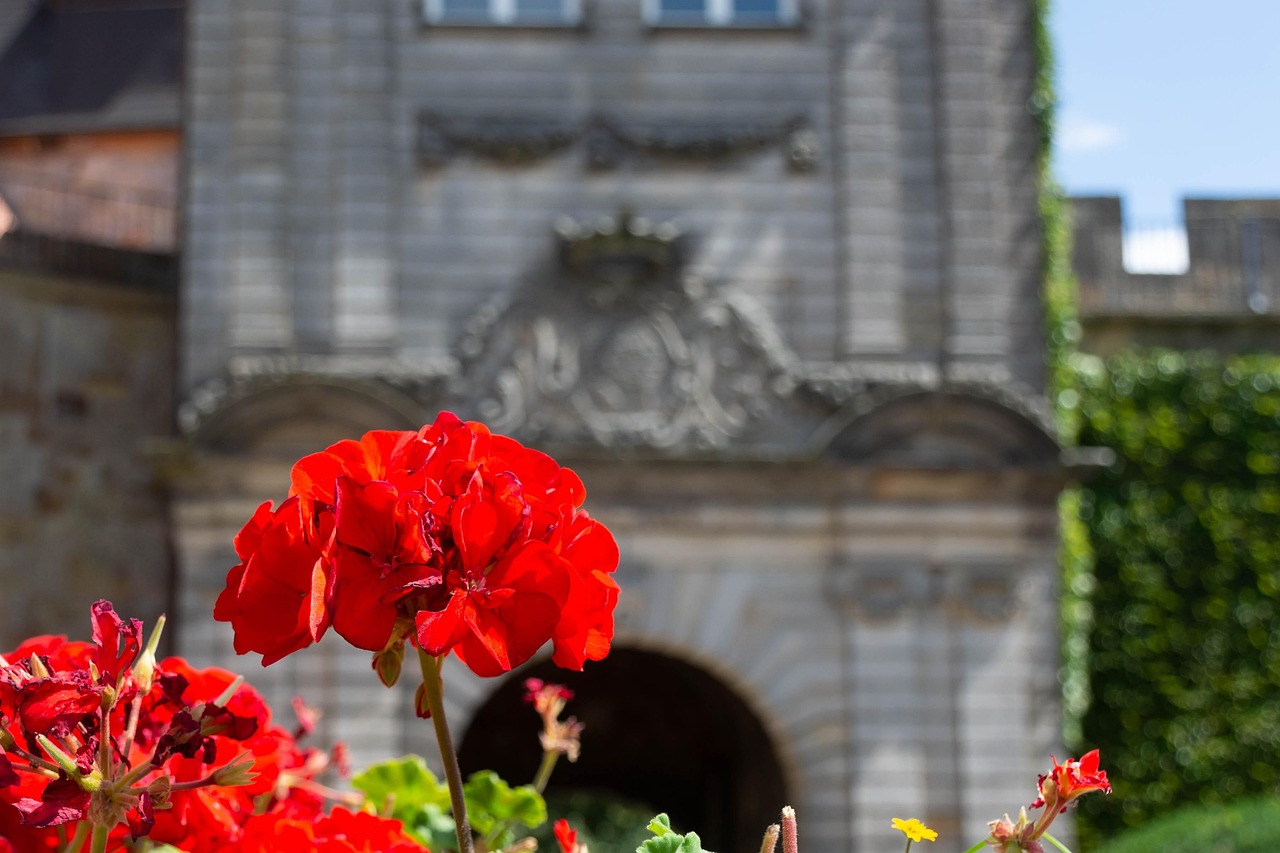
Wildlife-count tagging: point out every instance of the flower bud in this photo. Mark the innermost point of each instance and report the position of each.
(37, 667)
(225, 696)
(160, 789)
(387, 663)
(89, 782)
(238, 772)
(144, 668)
(421, 706)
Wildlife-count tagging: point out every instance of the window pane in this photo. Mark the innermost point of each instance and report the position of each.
(465, 10)
(540, 10)
(694, 10)
(756, 10)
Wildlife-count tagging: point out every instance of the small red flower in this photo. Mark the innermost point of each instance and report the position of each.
(52, 704)
(1070, 780)
(566, 836)
(542, 695)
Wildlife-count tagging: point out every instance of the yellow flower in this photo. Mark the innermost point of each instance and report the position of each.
(914, 830)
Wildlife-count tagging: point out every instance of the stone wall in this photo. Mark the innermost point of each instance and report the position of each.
(86, 398)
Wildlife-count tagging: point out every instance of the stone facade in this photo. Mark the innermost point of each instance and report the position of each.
(774, 292)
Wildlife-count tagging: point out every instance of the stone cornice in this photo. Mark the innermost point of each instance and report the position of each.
(608, 141)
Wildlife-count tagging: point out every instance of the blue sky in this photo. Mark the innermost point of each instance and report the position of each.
(1159, 99)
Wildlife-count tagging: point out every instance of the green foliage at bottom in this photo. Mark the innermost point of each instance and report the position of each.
(407, 790)
(1246, 826)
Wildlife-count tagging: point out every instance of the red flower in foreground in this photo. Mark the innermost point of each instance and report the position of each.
(192, 752)
(342, 831)
(1070, 780)
(566, 836)
(457, 539)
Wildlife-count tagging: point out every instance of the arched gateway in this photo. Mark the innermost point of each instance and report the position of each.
(661, 733)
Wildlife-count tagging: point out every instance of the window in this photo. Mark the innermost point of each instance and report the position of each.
(731, 13)
(504, 12)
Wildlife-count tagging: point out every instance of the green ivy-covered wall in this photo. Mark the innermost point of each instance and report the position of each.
(1183, 538)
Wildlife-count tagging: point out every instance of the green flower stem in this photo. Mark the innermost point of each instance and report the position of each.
(99, 842)
(131, 728)
(543, 775)
(908, 850)
(539, 784)
(77, 841)
(975, 848)
(434, 688)
(1055, 842)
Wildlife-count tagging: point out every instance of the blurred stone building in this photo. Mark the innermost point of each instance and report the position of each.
(765, 272)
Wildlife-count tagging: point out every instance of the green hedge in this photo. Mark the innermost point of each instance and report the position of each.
(1182, 603)
(1246, 826)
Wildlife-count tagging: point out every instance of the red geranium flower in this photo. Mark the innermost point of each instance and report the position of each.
(566, 836)
(274, 599)
(452, 537)
(1070, 780)
(341, 831)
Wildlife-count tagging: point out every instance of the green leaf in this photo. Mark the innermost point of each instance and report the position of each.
(407, 790)
(407, 783)
(492, 803)
(668, 840)
(661, 825)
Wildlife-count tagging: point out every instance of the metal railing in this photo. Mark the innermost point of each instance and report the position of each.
(120, 216)
(94, 229)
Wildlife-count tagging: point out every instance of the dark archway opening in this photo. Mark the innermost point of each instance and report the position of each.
(659, 732)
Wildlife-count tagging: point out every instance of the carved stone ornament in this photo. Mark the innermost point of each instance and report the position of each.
(619, 349)
(983, 591)
(879, 589)
(505, 140)
(608, 141)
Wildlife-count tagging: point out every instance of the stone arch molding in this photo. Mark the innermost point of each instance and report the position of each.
(956, 425)
(255, 411)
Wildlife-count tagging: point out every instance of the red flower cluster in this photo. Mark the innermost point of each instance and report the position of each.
(341, 831)
(459, 539)
(185, 756)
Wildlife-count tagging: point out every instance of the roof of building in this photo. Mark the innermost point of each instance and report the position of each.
(78, 66)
